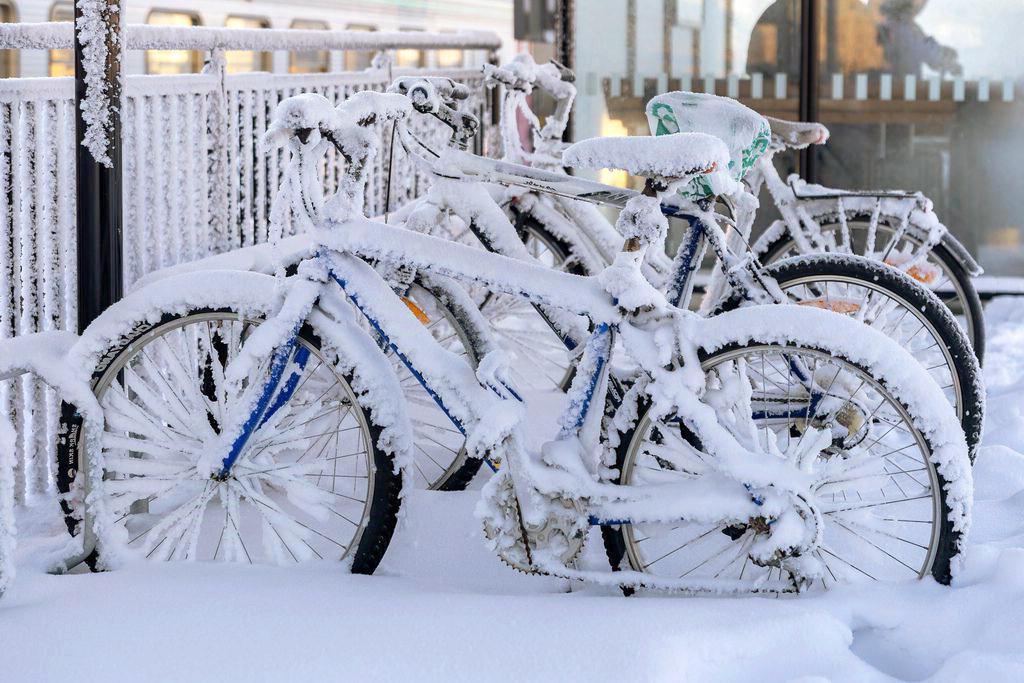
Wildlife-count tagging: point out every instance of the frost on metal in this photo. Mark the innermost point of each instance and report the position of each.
(7, 528)
(98, 109)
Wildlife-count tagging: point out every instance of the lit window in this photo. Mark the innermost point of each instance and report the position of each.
(173, 61)
(449, 59)
(357, 60)
(409, 57)
(62, 62)
(316, 62)
(240, 61)
(8, 58)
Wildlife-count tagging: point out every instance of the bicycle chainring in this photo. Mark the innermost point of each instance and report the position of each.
(559, 539)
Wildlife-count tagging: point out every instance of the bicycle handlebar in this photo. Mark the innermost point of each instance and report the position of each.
(438, 97)
(522, 74)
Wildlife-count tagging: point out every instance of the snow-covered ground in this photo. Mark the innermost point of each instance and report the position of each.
(443, 608)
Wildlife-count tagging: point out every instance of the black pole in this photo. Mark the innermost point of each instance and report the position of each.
(564, 36)
(98, 186)
(808, 81)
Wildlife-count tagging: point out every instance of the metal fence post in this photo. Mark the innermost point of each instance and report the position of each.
(809, 81)
(98, 186)
(217, 126)
(565, 37)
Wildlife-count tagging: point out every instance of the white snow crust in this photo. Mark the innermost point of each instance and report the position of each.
(680, 155)
(98, 110)
(439, 583)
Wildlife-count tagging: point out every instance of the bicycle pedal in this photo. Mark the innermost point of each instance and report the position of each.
(735, 532)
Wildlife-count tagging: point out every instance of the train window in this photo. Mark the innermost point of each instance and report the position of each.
(173, 61)
(62, 62)
(239, 61)
(409, 57)
(316, 62)
(8, 58)
(357, 60)
(450, 59)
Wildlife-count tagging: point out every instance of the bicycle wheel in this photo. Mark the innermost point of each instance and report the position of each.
(882, 500)
(313, 483)
(439, 453)
(542, 361)
(895, 304)
(946, 277)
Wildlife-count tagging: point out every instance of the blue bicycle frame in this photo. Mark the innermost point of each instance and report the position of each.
(278, 390)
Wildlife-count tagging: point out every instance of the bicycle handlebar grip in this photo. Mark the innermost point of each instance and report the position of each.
(429, 93)
(424, 99)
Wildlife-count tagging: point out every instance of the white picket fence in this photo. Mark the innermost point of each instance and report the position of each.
(195, 183)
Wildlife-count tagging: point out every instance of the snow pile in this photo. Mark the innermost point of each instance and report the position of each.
(438, 582)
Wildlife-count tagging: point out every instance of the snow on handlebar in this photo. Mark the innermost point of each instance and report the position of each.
(522, 74)
(438, 97)
(300, 115)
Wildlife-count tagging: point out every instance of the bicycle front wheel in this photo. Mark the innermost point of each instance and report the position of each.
(313, 482)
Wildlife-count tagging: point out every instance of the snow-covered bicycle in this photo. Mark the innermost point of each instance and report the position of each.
(560, 225)
(898, 228)
(253, 418)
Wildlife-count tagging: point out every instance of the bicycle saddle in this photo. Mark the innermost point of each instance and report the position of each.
(745, 133)
(670, 156)
(797, 134)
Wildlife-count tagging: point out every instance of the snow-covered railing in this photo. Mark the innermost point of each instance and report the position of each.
(195, 180)
(59, 35)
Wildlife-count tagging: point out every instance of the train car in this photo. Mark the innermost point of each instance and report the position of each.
(440, 16)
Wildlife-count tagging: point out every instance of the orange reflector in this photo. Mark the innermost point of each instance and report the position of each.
(924, 273)
(834, 305)
(416, 310)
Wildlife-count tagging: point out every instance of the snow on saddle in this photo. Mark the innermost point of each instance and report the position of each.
(745, 133)
(681, 155)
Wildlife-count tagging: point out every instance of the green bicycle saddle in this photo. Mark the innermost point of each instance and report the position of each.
(745, 132)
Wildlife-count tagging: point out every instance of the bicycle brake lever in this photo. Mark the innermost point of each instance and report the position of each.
(564, 72)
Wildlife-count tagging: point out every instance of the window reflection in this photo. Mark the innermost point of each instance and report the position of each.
(922, 96)
(919, 94)
(357, 60)
(173, 61)
(62, 62)
(241, 61)
(318, 61)
(409, 57)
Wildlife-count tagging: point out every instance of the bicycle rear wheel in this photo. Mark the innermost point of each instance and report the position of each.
(942, 273)
(439, 448)
(883, 500)
(895, 304)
